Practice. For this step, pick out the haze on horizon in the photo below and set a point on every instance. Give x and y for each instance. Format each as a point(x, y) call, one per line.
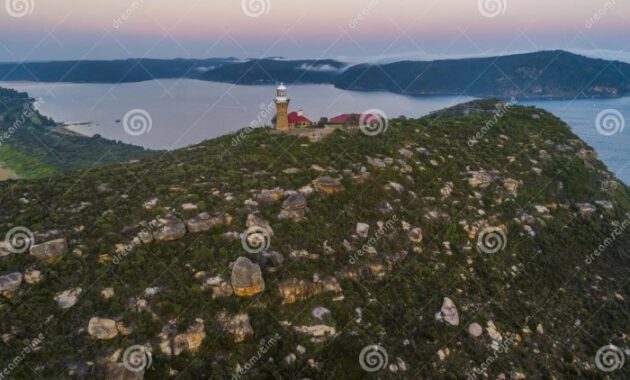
point(349, 30)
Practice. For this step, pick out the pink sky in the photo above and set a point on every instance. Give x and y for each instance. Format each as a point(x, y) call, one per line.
point(346, 29)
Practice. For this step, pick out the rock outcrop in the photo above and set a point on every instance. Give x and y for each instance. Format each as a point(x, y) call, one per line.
point(247, 279)
point(50, 251)
point(294, 207)
point(295, 290)
point(328, 185)
point(102, 328)
point(238, 326)
point(9, 283)
point(68, 298)
point(448, 313)
point(170, 229)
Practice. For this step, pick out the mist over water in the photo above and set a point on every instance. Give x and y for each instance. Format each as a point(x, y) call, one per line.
point(186, 112)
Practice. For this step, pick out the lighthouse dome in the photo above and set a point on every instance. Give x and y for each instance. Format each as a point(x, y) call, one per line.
point(282, 87)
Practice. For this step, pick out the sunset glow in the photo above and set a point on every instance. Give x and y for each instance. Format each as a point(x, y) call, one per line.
point(355, 30)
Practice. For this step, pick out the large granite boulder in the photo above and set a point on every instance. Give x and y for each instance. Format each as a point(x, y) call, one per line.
point(68, 298)
point(254, 220)
point(191, 340)
point(328, 185)
point(102, 328)
point(270, 196)
point(50, 251)
point(204, 222)
point(448, 313)
point(294, 207)
point(247, 279)
point(10, 282)
point(294, 290)
point(170, 229)
point(238, 326)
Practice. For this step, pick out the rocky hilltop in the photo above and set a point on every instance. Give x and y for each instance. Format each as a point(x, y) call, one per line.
point(460, 245)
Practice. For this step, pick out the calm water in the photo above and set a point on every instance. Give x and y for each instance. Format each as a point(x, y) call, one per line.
point(185, 112)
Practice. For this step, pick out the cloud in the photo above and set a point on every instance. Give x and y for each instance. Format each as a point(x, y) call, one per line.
point(325, 68)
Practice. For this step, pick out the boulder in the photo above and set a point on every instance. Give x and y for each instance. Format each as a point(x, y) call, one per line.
point(511, 185)
point(317, 331)
point(294, 207)
point(204, 222)
point(270, 261)
point(247, 279)
point(191, 340)
point(33, 277)
point(170, 229)
point(320, 312)
point(385, 208)
point(363, 230)
point(10, 282)
point(50, 251)
point(254, 220)
point(586, 209)
point(270, 196)
point(68, 298)
point(294, 290)
point(238, 326)
point(102, 328)
point(415, 235)
point(376, 163)
point(475, 330)
point(328, 185)
point(479, 180)
point(448, 313)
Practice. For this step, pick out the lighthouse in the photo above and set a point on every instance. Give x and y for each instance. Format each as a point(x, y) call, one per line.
point(282, 108)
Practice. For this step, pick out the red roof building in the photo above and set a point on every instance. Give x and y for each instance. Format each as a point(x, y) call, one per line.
point(297, 119)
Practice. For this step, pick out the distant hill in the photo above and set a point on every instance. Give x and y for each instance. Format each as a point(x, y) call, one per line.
point(540, 75)
point(270, 71)
point(130, 70)
point(547, 74)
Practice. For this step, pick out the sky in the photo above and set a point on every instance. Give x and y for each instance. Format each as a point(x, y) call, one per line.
point(348, 30)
